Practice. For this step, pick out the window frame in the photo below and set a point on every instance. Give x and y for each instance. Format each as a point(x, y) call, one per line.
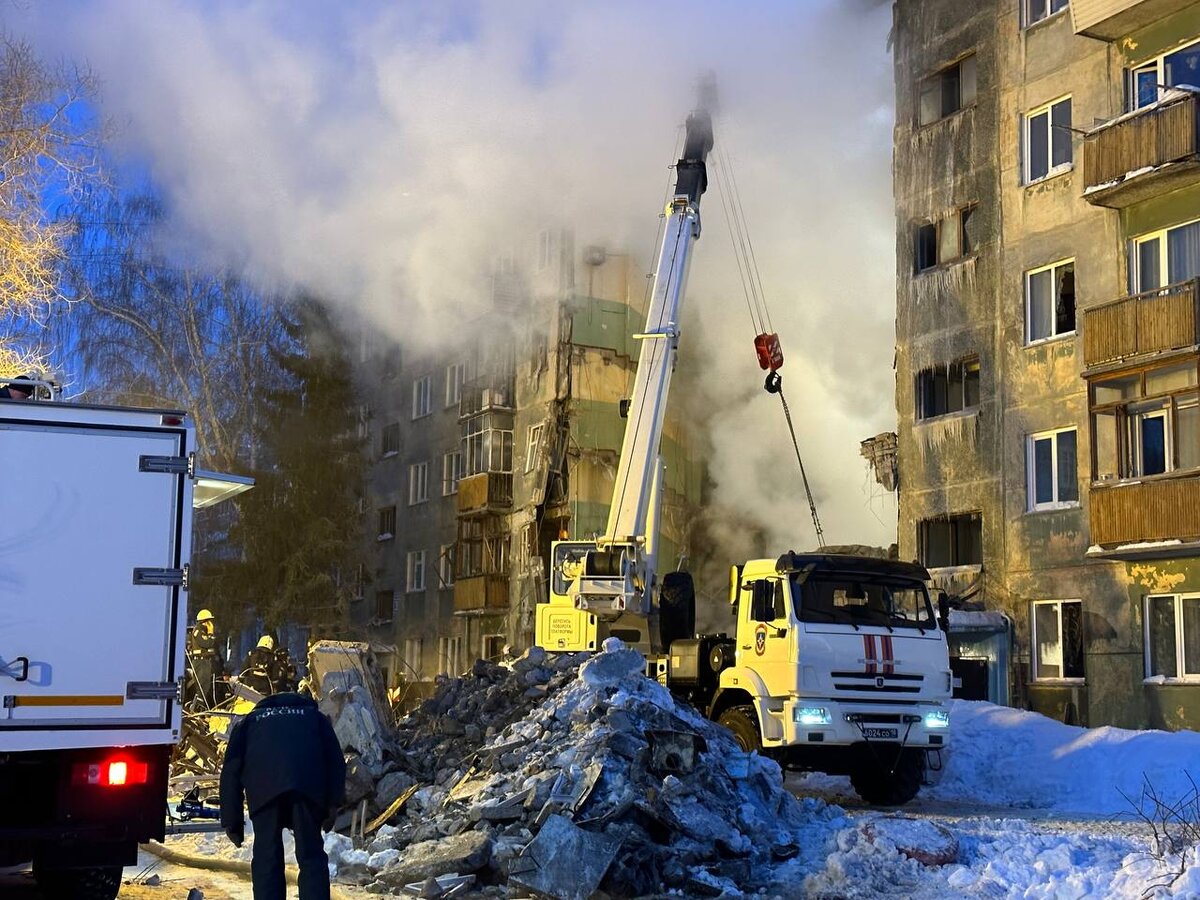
point(391, 606)
point(923, 386)
point(1034, 676)
point(958, 219)
point(418, 483)
point(1031, 504)
point(386, 514)
point(1052, 171)
point(389, 448)
point(1027, 19)
point(939, 76)
point(456, 377)
point(1052, 268)
point(446, 565)
point(452, 472)
point(414, 565)
point(533, 445)
point(422, 397)
point(1160, 77)
point(923, 539)
point(1134, 258)
point(1180, 677)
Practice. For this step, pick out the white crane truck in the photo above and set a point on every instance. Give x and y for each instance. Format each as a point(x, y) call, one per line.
point(95, 540)
point(838, 663)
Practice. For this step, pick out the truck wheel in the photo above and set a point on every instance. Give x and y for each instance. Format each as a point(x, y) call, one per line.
point(101, 883)
point(743, 722)
point(872, 782)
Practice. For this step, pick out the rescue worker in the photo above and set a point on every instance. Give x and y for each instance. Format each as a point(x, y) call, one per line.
point(259, 668)
point(207, 666)
point(284, 758)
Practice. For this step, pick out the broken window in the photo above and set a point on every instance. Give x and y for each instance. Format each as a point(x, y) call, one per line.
point(1050, 301)
point(946, 240)
point(387, 522)
point(1172, 636)
point(1052, 470)
point(951, 541)
point(1146, 424)
point(1036, 10)
point(1057, 636)
point(415, 571)
point(385, 602)
point(450, 656)
point(456, 377)
point(1048, 140)
point(948, 389)
point(422, 399)
point(418, 483)
point(390, 444)
point(946, 92)
point(446, 566)
point(533, 447)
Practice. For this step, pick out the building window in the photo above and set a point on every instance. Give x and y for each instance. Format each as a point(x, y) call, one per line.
point(446, 566)
point(364, 421)
point(416, 571)
point(418, 483)
point(1050, 301)
point(1052, 470)
point(487, 449)
point(946, 240)
point(1179, 67)
point(1037, 10)
point(1147, 423)
point(360, 581)
point(387, 523)
point(390, 444)
point(451, 472)
point(1057, 635)
point(412, 659)
point(450, 656)
point(493, 647)
point(1161, 258)
point(948, 389)
point(1048, 140)
point(456, 377)
point(946, 92)
point(385, 604)
point(951, 541)
point(422, 400)
point(534, 447)
point(1173, 636)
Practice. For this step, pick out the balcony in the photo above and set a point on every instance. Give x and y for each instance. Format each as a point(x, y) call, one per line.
point(1143, 154)
point(482, 592)
point(1142, 325)
point(1111, 20)
point(487, 492)
point(1164, 512)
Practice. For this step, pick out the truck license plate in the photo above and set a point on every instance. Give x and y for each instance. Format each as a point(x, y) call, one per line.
point(880, 733)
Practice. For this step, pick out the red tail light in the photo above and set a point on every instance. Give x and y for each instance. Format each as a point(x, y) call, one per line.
point(110, 773)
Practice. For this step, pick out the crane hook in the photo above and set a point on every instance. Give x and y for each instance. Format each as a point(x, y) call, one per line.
point(774, 382)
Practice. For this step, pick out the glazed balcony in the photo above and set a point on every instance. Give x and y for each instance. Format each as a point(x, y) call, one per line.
point(1144, 153)
point(1162, 512)
point(1111, 20)
point(1142, 325)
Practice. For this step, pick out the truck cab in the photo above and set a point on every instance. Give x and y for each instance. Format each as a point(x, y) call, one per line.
point(838, 665)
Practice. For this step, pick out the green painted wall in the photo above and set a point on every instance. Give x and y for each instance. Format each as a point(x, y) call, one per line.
point(1162, 211)
point(605, 323)
point(599, 426)
point(1162, 36)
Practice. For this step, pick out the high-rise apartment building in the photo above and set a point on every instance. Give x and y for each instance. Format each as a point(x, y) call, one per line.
point(483, 456)
point(1047, 186)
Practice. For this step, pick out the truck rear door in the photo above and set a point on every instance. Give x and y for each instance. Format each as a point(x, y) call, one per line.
point(92, 548)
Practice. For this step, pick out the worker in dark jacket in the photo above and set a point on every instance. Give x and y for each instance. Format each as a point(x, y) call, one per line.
point(287, 761)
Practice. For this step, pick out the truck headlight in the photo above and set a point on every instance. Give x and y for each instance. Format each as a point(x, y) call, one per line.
point(812, 715)
point(937, 718)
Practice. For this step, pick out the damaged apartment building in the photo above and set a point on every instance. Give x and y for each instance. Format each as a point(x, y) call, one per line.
point(1047, 187)
point(482, 457)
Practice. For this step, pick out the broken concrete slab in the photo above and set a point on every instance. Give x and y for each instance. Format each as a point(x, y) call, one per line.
point(464, 854)
point(564, 861)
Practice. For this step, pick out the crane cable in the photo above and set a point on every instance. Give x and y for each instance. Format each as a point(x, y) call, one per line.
point(766, 341)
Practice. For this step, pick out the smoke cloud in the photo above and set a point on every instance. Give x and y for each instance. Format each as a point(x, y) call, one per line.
point(383, 154)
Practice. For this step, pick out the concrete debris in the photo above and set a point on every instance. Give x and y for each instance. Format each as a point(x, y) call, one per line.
point(598, 781)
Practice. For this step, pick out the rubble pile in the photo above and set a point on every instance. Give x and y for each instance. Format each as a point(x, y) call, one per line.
point(560, 776)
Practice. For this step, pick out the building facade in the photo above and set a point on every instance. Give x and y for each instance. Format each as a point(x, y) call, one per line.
point(1047, 188)
point(481, 460)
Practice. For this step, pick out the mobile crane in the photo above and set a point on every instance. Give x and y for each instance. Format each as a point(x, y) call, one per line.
point(838, 663)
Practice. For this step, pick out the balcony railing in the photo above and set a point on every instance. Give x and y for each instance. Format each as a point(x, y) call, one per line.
point(1142, 153)
point(1110, 20)
point(1145, 512)
point(481, 592)
point(1142, 325)
point(484, 493)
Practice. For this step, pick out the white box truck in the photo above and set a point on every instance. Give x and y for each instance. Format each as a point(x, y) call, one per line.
point(95, 538)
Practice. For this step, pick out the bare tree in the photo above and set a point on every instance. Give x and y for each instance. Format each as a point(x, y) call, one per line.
point(47, 150)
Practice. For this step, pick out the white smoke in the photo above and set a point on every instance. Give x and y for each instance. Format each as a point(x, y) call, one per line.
point(384, 153)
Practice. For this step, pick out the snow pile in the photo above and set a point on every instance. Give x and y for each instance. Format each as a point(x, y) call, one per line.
point(560, 778)
point(1008, 757)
